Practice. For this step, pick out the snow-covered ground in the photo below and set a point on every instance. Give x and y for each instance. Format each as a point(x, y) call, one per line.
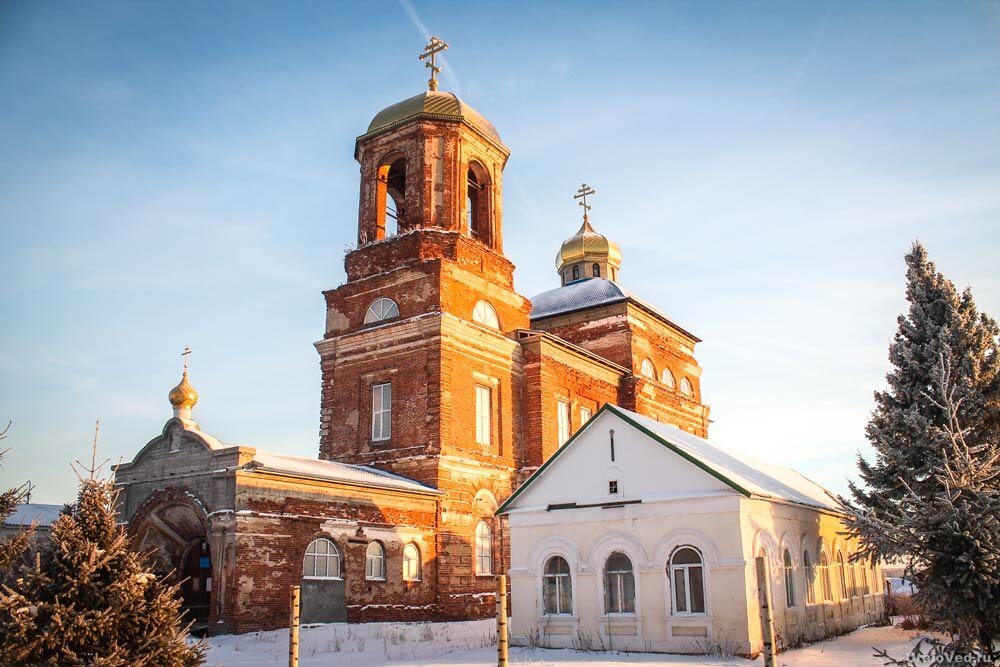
point(472, 644)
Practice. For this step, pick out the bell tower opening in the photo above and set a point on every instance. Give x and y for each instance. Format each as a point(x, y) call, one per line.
point(477, 204)
point(391, 197)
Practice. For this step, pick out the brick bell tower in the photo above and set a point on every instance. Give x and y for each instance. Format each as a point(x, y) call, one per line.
point(420, 376)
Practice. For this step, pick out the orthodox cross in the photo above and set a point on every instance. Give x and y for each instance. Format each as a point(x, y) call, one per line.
point(186, 353)
point(584, 192)
point(433, 47)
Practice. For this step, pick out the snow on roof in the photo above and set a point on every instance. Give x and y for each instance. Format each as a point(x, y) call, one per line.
point(334, 471)
point(748, 475)
point(589, 293)
point(756, 476)
point(26, 514)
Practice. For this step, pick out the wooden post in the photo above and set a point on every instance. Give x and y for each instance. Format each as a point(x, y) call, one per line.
point(501, 621)
point(766, 620)
point(293, 629)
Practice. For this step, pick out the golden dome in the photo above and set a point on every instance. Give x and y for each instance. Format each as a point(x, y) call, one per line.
point(587, 244)
point(434, 105)
point(183, 395)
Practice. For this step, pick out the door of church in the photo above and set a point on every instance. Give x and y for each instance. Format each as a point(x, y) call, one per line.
point(196, 586)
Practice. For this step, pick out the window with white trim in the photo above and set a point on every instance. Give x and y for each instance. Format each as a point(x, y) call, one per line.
point(375, 561)
point(619, 585)
point(667, 378)
point(686, 387)
point(843, 575)
point(382, 411)
point(687, 576)
point(485, 314)
point(789, 581)
point(484, 548)
point(563, 416)
point(646, 368)
point(557, 587)
point(810, 573)
point(322, 560)
point(824, 573)
point(381, 309)
point(585, 415)
point(484, 414)
point(411, 562)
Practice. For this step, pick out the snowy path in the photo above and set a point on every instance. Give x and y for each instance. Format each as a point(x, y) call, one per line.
point(470, 644)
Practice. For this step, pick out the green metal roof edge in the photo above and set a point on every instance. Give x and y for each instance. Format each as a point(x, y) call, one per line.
point(608, 407)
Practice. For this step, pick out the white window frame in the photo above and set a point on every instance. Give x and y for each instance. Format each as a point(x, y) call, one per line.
point(809, 569)
point(382, 412)
point(375, 560)
point(686, 387)
point(647, 369)
point(585, 415)
point(563, 417)
point(685, 569)
point(484, 549)
point(788, 568)
point(484, 415)
point(411, 562)
point(381, 309)
point(619, 579)
point(484, 313)
point(561, 581)
point(667, 378)
point(332, 553)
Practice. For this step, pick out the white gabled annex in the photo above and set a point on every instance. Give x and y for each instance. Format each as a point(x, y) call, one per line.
point(637, 535)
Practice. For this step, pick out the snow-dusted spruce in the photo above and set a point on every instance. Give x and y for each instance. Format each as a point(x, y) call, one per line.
point(906, 426)
point(91, 601)
point(931, 495)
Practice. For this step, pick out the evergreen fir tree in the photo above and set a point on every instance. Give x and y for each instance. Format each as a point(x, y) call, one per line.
point(907, 425)
point(91, 601)
point(14, 546)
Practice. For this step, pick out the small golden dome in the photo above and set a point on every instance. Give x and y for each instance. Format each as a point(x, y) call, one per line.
point(183, 395)
point(436, 106)
point(588, 245)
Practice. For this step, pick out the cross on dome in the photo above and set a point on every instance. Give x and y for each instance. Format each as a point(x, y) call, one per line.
point(434, 47)
point(584, 191)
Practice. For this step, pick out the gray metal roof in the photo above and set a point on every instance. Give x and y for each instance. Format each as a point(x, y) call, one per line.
point(577, 295)
point(26, 514)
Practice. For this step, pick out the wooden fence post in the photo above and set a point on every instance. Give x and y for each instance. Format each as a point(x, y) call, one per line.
point(293, 629)
point(501, 621)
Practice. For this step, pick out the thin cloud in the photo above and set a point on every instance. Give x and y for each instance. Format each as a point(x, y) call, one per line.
point(446, 68)
point(804, 65)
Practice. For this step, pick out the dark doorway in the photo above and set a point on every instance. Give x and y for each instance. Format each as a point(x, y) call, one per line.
point(196, 582)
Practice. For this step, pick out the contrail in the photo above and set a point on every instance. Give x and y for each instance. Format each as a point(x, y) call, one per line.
point(445, 66)
point(812, 49)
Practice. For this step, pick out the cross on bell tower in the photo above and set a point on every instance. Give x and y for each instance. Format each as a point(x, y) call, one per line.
point(434, 47)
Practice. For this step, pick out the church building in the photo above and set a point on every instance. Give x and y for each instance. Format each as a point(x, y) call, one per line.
point(443, 389)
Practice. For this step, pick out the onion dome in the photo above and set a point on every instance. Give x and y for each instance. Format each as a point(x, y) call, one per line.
point(587, 247)
point(183, 396)
point(433, 105)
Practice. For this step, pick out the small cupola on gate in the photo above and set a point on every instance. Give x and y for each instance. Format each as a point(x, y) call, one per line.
point(431, 162)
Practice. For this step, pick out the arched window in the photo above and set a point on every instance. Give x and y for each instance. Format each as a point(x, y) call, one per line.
point(789, 581)
point(810, 572)
point(375, 561)
point(688, 579)
point(576, 272)
point(864, 580)
point(411, 562)
point(619, 585)
point(646, 368)
point(391, 197)
point(824, 573)
point(597, 270)
point(557, 587)
point(477, 203)
point(854, 579)
point(686, 387)
point(322, 560)
point(667, 378)
point(485, 314)
point(842, 570)
point(484, 548)
point(381, 309)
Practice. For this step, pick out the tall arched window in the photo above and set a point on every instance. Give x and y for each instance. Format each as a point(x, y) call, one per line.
point(381, 309)
point(485, 314)
point(411, 562)
point(375, 561)
point(596, 269)
point(686, 387)
point(824, 573)
point(646, 368)
point(484, 548)
point(842, 572)
point(687, 575)
point(619, 585)
point(576, 272)
point(667, 378)
point(557, 587)
point(390, 197)
point(854, 579)
point(477, 203)
point(810, 573)
point(322, 560)
point(864, 580)
point(789, 581)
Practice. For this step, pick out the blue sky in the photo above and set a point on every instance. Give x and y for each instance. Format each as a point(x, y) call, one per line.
point(181, 174)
